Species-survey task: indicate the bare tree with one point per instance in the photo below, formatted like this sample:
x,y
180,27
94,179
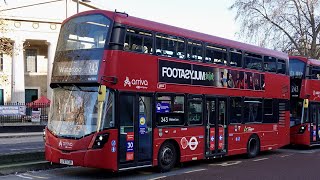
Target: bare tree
x,y
292,26
6,45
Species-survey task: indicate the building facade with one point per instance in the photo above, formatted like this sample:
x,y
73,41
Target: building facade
x,y
33,28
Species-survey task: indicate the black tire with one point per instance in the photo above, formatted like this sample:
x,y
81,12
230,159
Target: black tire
x,y
253,146
167,157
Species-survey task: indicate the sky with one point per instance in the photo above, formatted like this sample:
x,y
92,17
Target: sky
x,y
207,16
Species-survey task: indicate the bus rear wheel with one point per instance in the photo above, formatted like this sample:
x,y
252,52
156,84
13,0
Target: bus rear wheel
x,y
253,146
167,157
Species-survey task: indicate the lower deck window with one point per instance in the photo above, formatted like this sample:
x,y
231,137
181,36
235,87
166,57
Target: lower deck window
x,y
170,110
195,111
252,110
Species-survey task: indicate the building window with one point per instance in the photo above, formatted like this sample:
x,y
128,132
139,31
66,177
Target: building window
x,y
31,60
1,97
1,62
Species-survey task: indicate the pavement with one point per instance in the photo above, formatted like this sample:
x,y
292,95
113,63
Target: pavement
x,y
21,152
19,135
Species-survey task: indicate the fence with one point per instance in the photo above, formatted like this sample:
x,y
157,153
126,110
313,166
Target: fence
x,y
34,113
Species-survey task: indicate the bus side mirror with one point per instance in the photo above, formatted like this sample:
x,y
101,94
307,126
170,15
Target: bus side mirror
x,y
102,93
305,103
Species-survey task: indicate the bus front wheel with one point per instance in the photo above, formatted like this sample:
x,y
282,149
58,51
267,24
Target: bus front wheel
x,y
167,157
253,146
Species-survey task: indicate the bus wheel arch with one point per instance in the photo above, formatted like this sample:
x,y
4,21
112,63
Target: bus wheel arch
x,y
168,155
253,146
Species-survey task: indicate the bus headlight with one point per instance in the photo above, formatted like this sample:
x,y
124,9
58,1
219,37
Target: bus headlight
x,y
44,134
100,140
302,129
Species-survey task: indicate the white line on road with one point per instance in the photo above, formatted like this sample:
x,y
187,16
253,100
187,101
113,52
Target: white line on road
x,y
158,177
260,159
230,163
286,155
25,177
196,170
26,148
37,177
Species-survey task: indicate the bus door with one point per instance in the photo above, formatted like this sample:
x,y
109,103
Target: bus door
x,y
216,126
135,120
315,123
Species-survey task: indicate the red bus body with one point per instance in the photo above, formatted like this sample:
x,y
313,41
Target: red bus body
x,y
306,131
190,142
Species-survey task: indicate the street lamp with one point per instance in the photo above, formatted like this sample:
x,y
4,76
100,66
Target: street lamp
x,y
82,1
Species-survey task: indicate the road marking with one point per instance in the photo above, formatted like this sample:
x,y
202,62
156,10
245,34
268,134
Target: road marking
x,y
260,159
25,177
38,177
158,177
145,172
286,155
230,163
196,170
26,148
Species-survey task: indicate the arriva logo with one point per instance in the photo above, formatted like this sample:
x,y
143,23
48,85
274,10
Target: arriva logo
x,y
67,145
138,83
127,82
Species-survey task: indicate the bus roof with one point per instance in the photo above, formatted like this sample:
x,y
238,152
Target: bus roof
x,y
172,30
313,62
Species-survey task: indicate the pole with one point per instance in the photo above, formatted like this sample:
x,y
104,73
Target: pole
x,y
77,6
66,9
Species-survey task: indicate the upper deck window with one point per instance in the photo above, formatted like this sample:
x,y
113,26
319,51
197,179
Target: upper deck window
x,y
236,58
253,61
194,51
216,55
84,32
297,68
270,64
138,41
282,67
170,46
315,72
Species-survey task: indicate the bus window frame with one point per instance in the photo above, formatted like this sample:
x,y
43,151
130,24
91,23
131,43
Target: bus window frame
x,y
230,50
245,55
252,99
109,35
172,95
286,65
242,110
177,37
218,46
190,99
139,29
187,40
276,61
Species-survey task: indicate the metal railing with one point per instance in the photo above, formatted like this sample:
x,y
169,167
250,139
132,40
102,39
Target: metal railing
x,y
32,113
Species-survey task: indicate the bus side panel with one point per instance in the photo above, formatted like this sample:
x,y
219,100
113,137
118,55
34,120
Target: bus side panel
x,y
196,143
237,139
284,130
239,135
300,139
106,157
190,140
161,135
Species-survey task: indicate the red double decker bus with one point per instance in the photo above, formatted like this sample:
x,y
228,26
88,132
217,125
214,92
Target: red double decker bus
x,y
305,101
131,93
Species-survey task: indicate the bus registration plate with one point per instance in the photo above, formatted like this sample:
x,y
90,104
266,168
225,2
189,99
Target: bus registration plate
x,y
66,161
